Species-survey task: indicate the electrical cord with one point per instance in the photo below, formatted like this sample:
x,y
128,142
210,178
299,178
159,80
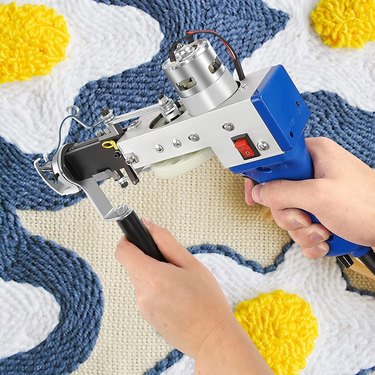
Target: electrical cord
x,y
188,37
45,156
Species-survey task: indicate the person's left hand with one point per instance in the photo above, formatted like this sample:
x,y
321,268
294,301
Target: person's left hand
x,y
180,299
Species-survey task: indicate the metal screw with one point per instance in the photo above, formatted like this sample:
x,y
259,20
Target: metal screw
x,y
117,154
123,182
159,148
263,146
177,143
131,159
104,112
194,137
228,126
99,133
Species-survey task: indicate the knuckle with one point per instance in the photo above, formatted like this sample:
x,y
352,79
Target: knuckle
x,y
322,195
300,237
141,302
326,142
273,193
282,219
144,304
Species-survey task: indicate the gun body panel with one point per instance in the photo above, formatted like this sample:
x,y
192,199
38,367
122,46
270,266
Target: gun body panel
x,y
254,126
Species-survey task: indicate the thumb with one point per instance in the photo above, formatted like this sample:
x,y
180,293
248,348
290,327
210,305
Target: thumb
x,y
172,250
282,194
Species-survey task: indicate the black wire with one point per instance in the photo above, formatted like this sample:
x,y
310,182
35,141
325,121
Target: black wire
x,y
236,60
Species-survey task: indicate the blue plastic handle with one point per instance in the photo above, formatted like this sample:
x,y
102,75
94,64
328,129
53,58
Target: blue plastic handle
x,y
296,164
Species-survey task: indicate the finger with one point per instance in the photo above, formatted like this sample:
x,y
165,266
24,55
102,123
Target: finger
x,y
172,250
282,194
291,218
324,152
310,236
317,251
134,260
249,184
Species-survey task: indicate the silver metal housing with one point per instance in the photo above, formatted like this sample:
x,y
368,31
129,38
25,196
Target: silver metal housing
x,y
201,80
210,129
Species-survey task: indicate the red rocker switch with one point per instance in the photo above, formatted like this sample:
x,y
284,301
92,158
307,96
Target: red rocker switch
x,y
245,147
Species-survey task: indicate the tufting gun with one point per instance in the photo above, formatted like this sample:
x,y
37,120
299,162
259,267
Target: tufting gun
x,y
254,125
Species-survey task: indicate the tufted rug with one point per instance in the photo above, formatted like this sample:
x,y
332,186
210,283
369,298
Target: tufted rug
x,y
65,304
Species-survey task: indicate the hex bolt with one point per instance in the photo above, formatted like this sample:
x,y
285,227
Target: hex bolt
x,y
228,126
159,148
194,137
263,146
177,143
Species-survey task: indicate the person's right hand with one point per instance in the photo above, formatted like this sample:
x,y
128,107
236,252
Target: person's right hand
x,y
341,196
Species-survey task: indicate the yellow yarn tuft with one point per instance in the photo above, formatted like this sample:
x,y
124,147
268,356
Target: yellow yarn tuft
x,y
345,23
282,327
33,39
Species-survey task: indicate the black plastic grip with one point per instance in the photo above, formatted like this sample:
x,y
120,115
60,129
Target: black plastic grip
x,y
138,234
369,261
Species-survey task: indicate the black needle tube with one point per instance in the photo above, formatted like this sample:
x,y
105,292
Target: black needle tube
x,y
137,233
369,261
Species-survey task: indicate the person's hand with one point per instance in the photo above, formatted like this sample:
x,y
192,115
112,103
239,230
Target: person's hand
x,y
185,304
341,196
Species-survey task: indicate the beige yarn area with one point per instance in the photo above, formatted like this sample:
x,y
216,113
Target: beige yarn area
x,y
205,205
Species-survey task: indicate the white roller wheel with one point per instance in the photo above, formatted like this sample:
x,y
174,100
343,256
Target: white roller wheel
x,y
181,164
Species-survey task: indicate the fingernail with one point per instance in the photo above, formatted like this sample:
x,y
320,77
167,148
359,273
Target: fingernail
x,y
317,237
300,223
147,221
248,198
320,250
257,193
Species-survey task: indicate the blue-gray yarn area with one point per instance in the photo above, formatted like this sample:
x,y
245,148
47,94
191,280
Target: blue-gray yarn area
x,y
352,128
175,355
76,288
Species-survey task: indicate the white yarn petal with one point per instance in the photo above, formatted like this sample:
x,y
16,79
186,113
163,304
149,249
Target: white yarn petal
x,y
185,365
105,40
312,65
27,316
346,340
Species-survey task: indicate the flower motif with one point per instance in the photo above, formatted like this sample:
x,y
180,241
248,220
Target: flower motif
x,y
314,66
283,328
33,39
343,23
27,316
345,317
104,41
